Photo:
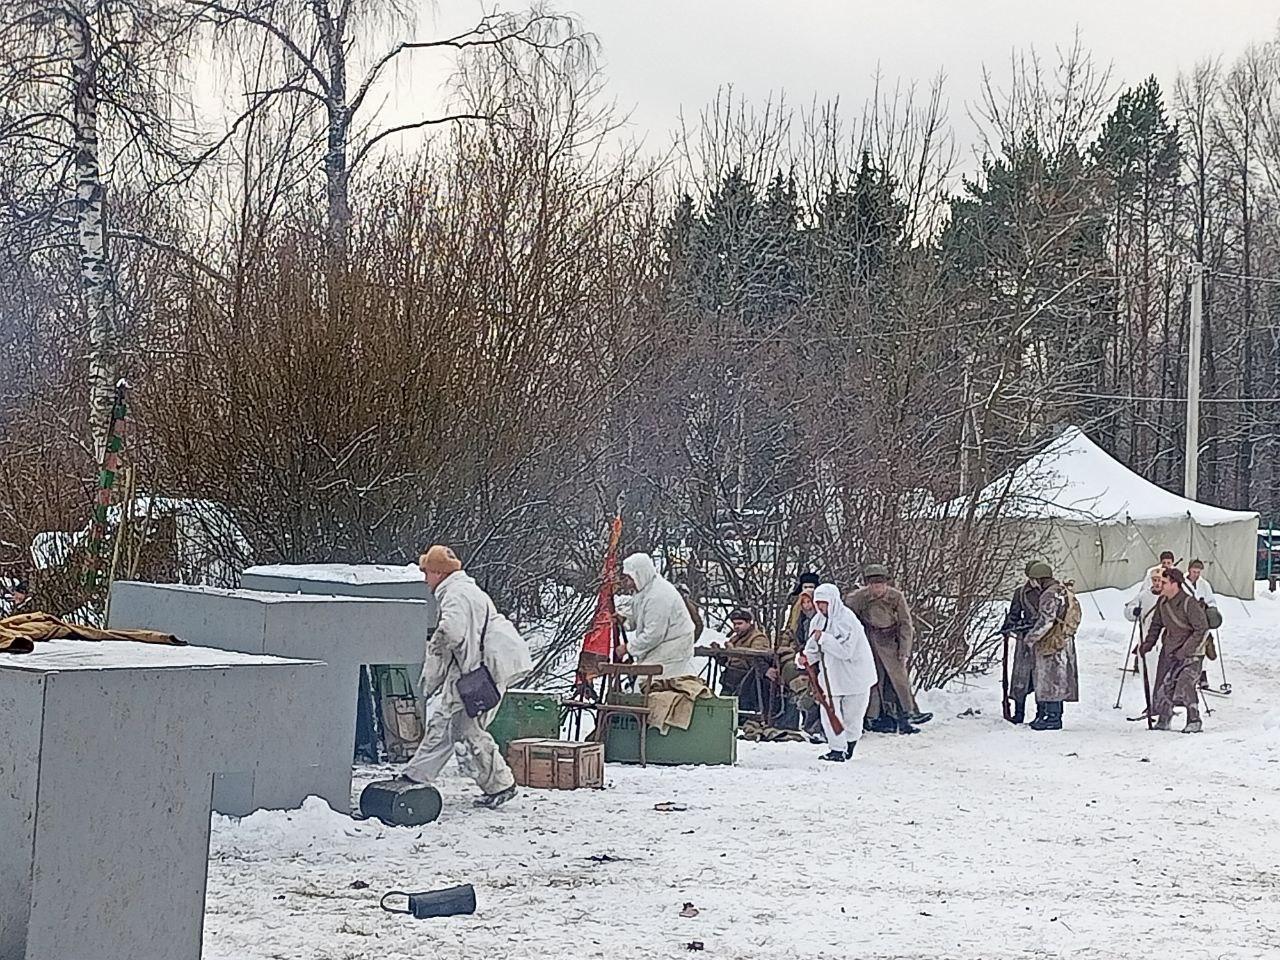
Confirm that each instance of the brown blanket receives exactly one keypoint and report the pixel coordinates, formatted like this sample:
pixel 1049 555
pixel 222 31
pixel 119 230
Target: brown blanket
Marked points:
pixel 21 632
pixel 671 702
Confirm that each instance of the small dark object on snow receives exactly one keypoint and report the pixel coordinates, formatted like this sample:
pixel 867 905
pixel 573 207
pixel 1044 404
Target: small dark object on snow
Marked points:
pixel 670 807
pixel 604 858
pixel 689 910
pixel 449 902
pixel 695 945
pixel 970 712
pixel 359 885
pixel 400 802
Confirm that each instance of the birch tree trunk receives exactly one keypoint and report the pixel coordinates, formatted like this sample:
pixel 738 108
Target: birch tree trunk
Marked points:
pixel 91 228
pixel 332 32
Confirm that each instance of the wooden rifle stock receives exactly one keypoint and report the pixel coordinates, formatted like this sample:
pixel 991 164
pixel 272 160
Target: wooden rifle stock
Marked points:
pixel 823 700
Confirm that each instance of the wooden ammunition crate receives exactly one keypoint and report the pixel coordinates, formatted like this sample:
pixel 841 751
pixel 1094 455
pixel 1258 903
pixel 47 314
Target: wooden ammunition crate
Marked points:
pixel 557 764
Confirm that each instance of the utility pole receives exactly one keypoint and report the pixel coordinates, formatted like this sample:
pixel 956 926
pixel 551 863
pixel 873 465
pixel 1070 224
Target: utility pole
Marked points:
pixel 1192 454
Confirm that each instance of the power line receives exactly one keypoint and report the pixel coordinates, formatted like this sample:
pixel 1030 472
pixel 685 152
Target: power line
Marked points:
pixel 1135 397
pixel 1244 277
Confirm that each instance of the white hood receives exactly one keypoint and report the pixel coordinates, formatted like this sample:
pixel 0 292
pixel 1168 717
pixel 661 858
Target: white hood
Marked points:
pixel 660 625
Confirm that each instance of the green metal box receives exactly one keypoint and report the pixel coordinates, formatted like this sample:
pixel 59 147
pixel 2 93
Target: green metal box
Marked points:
pixel 712 737
pixel 525 714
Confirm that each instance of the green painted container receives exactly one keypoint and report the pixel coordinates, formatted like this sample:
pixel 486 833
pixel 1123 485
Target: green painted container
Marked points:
pixel 712 737
pixel 524 714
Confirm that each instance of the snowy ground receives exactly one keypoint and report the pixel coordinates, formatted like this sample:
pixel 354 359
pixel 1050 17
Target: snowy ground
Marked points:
pixel 972 841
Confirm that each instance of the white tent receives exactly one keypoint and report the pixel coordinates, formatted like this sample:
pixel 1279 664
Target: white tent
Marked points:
pixel 1103 525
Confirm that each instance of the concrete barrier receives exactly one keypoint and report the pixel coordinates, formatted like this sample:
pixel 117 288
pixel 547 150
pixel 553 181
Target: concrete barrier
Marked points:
pixel 343 632
pixel 107 769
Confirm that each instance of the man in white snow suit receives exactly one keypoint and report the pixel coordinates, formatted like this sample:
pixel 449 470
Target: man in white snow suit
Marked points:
pixel 471 631
pixel 838 647
pixel 660 628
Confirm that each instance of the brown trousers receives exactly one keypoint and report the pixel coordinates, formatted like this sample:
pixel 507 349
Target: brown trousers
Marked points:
pixel 1179 688
pixel 893 682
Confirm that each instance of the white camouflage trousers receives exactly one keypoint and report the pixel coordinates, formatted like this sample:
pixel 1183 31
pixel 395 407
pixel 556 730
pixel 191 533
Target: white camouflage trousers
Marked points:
pixel 478 753
pixel 850 709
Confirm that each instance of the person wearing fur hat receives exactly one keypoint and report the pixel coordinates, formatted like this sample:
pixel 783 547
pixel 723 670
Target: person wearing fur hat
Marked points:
pixel 470 632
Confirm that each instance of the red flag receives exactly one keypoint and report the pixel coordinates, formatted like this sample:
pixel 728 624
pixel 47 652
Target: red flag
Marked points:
pixel 599 638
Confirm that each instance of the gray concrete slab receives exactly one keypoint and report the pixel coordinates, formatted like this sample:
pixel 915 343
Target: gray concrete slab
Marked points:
pixel 372 580
pixel 343 632
pixel 108 768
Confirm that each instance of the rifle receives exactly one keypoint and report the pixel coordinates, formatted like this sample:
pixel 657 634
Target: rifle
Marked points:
pixel 1146 689
pixel 1005 706
pixel 823 700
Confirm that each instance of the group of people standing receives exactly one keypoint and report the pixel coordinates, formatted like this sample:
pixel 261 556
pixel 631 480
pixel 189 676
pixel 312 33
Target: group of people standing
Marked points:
pixel 859 648
pixel 842 663
pixel 1171 609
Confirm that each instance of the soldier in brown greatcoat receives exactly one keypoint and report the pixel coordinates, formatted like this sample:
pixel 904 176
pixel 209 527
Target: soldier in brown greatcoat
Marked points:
pixel 884 613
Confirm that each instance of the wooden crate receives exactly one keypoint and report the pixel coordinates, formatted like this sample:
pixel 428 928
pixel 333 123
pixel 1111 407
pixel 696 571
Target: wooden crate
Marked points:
pixel 557 764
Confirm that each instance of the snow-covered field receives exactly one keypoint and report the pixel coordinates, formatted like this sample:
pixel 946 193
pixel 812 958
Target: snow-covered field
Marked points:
pixel 975 840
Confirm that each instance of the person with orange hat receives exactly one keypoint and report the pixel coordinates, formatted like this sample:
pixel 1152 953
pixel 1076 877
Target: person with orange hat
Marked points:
pixel 471 634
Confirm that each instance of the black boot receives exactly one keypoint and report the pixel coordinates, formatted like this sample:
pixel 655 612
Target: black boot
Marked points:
pixel 1050 718
pixel 919 718
pixel 835 756
pixel 904 726
pixel 883 724
pixel 848 751
pixel 1019 711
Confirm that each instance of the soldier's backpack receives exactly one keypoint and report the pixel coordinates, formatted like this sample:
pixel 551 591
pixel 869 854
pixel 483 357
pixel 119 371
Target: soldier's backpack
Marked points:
pixel 1212 614
pixel 1065 627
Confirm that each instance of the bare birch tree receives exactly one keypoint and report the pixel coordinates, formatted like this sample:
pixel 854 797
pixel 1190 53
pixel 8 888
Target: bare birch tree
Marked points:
pixel 327 53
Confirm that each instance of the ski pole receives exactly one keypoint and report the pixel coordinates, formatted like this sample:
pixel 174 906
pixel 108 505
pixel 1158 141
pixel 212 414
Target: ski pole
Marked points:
pixel 1222 663
pixel 1124 667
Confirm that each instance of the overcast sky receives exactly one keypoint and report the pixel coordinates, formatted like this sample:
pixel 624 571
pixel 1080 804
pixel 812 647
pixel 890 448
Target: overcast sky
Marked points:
pixel 662 56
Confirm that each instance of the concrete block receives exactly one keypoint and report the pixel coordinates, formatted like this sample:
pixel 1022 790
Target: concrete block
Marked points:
pixel 343 632
pixel 371 580
pixel 106 777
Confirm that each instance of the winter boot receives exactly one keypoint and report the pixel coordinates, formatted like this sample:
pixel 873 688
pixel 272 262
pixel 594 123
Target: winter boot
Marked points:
pixel 835 756
pixel 883 724
pixel 1019 711
pixel 1193 726
pixel 494 800
pixel 919 718
pixel 1162 724
pixel 848 751
pixel 904 726
pixel 1050 717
